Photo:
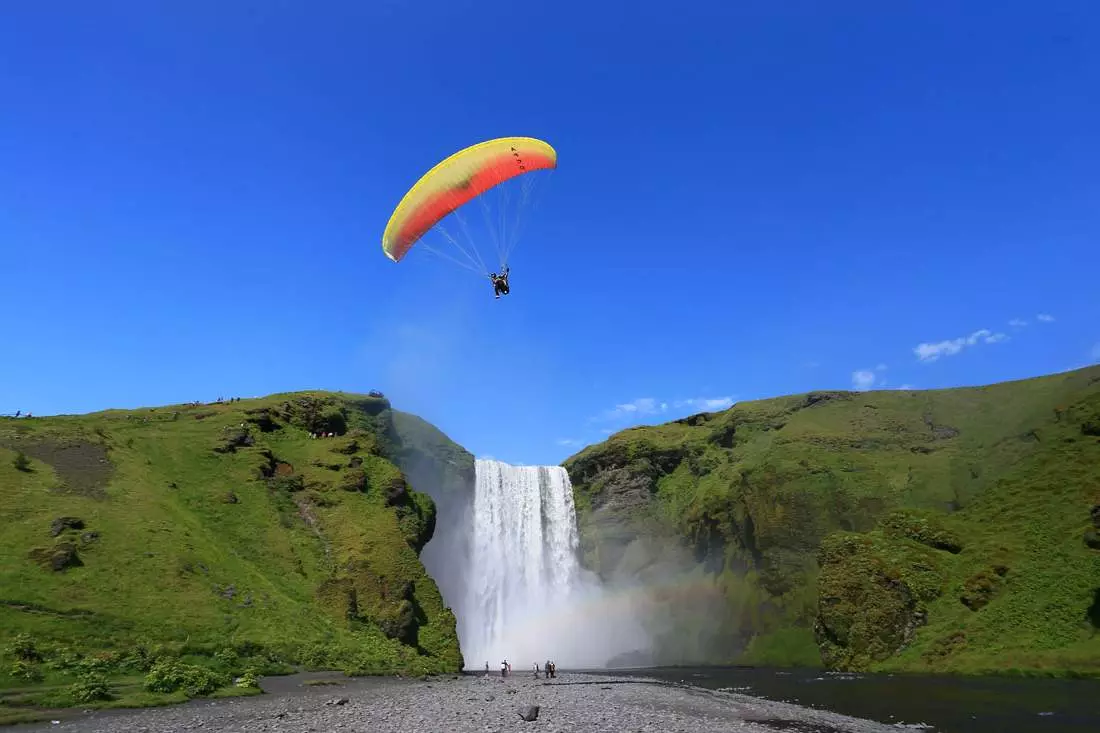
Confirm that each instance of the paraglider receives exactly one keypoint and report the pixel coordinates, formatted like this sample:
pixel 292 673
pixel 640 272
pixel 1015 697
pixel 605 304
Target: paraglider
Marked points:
pixel 456 181
pixel 500 283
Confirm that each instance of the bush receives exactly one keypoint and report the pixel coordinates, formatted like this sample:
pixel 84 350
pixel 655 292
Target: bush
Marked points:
pixel 227 657
pixel 248 679
pixel 97 664
pixel 90 688
pixel 63 658
pixel 172 675
pixel 318 656
pixel 143 656
pixel 27 671
pixel 24 648
pixel 21 462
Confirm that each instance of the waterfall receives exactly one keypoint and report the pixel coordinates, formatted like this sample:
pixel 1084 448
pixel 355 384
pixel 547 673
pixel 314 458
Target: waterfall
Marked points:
pixel 527 598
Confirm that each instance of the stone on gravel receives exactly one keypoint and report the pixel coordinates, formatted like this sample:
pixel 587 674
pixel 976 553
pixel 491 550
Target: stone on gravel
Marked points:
pixel 572 702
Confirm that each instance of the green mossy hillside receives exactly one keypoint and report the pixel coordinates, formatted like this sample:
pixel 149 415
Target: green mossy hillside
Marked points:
pixel 939 531
pixel 220 537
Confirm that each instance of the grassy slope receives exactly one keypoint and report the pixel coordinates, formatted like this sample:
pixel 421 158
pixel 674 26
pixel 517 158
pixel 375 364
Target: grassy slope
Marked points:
pixel 807 513
pixel 199 550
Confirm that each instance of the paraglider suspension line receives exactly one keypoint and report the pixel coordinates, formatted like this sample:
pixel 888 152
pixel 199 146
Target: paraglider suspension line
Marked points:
pixel 504 229
pixel 471 267
pixel 476 263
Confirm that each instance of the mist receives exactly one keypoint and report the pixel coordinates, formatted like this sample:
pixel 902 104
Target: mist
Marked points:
pixel 683 605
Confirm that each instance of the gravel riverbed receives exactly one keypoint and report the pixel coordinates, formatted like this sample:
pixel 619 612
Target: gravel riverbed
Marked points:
pixel 475 704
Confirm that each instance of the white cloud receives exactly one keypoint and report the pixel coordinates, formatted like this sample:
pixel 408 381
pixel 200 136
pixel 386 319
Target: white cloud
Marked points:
pixel 1041 318
pixel 708 404
pixel 863 380
pixel 929 352
pixel 643 407
pixel 1095 353
pixel 568 442
pixel 640 407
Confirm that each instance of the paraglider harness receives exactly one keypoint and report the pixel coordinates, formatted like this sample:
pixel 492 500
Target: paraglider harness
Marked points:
pixel 500 283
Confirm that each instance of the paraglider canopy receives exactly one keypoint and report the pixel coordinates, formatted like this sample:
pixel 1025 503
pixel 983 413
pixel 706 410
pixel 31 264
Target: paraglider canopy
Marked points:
pixel 456 181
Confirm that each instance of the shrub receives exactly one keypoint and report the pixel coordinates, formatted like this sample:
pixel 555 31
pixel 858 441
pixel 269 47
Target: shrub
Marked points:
pixel 143 656
pixel 21 462
pixel 172 675
pixel 100 663
pixel 24 670
pixel 248 679
pixel 227 657
pixel 23 647
pixel 90 688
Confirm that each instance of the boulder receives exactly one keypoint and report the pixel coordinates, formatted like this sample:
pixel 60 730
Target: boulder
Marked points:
pixel 61 524
pixel 60 557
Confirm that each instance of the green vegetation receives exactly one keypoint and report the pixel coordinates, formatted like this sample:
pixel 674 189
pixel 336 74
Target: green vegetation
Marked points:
pixel 153 555
pixel 928 531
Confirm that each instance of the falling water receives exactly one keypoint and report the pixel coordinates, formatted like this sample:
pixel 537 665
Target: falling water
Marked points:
pixel 527 596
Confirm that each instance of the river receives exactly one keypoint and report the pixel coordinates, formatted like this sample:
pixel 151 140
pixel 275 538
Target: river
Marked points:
pixel 936 704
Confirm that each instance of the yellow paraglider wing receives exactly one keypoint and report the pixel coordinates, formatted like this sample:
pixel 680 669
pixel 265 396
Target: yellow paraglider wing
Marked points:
pixel 457 180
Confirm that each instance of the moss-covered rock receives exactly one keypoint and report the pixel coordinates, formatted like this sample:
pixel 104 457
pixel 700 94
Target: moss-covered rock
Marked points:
pixel 873 594
pixel 61 556
pixel 354 479
pixel 980 588
pixel 923 527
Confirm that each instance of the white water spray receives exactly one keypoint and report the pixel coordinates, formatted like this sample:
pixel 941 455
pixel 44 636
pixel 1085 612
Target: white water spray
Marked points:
pixel 527 597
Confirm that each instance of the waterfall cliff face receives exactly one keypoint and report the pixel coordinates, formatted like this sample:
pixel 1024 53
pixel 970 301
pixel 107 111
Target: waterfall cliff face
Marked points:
pixel 527 598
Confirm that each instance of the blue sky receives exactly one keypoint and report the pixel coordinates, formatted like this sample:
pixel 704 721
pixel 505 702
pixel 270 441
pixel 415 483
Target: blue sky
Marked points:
pixel 752 199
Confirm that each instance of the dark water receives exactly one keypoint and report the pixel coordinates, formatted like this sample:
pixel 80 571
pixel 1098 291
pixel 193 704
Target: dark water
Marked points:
pixel 944 704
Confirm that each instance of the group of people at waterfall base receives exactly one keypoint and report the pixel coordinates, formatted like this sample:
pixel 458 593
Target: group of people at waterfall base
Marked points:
pixel 551 669
pixel 475 173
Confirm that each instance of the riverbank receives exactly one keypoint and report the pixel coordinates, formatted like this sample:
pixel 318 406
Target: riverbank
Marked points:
pixel 474 704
